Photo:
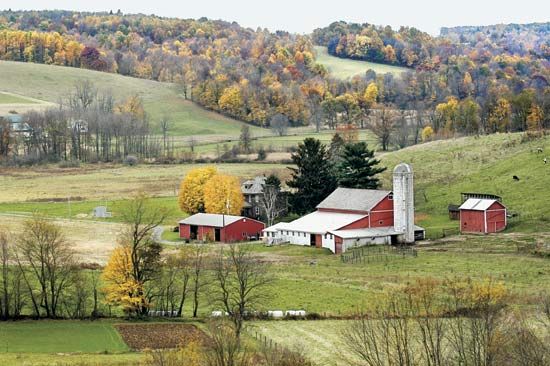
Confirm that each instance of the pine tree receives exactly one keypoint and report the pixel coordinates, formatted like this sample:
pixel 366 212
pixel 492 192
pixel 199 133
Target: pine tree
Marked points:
pixel 313 178
pixel 358 167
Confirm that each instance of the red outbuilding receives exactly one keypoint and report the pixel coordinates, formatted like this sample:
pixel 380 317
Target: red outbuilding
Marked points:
pixel 222 228
pixel 482 216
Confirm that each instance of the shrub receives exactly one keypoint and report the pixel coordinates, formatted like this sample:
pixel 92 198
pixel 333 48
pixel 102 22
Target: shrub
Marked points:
pixel 69 164
pixel 130 160
pixel 262 154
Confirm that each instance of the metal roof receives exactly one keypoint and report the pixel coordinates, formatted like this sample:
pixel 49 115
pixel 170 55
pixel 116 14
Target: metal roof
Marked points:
pixel 318 222
pixel 353 199
pixel 477 204
pixel 253 186
pixel 369 232
pixel 214 220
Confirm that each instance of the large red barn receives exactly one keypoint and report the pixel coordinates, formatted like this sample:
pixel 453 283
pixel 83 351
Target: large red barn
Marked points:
pixel 482 216
pixel 222 228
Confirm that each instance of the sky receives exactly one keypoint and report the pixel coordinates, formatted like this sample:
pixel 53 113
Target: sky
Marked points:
pixel 304 16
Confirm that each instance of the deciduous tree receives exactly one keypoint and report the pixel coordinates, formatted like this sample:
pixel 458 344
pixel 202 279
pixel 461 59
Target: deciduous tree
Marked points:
pixel 222 195
pixel 191 192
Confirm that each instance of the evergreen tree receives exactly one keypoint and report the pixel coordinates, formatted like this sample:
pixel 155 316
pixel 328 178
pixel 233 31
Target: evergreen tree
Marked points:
pixel 313 178
pixel 335 149
pixel 358 167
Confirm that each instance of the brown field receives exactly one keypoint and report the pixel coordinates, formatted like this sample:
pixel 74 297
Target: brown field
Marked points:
pixel 158 335
pixel 92 240
pixel 107 181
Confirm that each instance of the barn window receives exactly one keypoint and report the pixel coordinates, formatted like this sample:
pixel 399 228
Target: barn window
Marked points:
pixel 390 196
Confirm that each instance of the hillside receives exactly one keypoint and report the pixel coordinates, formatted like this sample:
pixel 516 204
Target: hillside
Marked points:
pixel 444 169
pixel 342 68
pixel 52 83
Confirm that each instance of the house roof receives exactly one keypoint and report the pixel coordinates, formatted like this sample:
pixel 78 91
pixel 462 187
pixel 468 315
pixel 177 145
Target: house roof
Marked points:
pixel 353 199
pixel 369 232
pixel 276 227
pixel 318 222
pixel 253 186
pixel 214 220
pixel 477 204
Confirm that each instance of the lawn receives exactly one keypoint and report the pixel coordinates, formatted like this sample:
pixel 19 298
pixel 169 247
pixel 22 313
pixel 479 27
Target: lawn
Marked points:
pixel 52 83
pixel 60 337
pixel 345 68
pixel 7 98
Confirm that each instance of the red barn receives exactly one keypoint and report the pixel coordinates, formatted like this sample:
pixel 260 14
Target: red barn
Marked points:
pixel 482 216
pixel 222 228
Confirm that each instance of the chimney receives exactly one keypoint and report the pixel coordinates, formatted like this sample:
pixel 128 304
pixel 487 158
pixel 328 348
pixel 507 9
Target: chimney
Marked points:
pixel 403 202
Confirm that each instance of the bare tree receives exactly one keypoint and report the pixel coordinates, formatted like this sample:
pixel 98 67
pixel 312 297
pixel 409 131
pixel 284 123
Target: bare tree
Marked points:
pixel 245 139
pixel 45 258
pixel 5 256
pixel 199 279
pixel 270 202
pixel 279 124
pixel 225 348
pixel 383 126
pixel 241 281
pixel 165 126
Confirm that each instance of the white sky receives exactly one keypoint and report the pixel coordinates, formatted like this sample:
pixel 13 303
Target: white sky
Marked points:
pixel 304 16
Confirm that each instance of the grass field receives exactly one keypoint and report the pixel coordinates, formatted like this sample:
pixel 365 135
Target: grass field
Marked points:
pixel 52 83
pixel 60 337
pixel 345 68
pixel 444 169
pixel 7 98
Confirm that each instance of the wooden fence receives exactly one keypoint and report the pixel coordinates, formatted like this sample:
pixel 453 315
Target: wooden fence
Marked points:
pixel 379 253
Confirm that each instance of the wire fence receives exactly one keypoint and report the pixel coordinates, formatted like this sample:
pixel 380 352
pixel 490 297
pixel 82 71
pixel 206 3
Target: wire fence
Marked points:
pixel 376 254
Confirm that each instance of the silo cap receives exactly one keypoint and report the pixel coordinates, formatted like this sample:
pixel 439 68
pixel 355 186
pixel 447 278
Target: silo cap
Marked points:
pixel 403 168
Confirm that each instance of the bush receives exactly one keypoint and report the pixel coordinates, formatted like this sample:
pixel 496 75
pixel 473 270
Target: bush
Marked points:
pixel 262 154
pixel 130 160
pixel 69 164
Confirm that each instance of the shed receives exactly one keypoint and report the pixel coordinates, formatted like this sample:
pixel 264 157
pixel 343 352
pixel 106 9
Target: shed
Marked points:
pixel 222 228
pixel 478 215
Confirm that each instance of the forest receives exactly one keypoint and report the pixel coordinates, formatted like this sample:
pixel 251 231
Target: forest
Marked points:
pixel 467 81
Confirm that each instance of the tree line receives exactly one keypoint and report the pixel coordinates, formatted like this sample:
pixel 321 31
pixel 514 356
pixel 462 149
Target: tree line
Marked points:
pixel 269 79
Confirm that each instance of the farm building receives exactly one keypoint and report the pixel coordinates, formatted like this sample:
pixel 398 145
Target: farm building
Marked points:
pixel 480 215
pixel 222 228
pixel 354 217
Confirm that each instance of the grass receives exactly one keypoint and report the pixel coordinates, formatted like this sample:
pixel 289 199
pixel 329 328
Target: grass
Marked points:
pixel 6 98
pixel 444 169
pixel 102 182
pixel 94 359
pixel 53 83
pixel 346 68
pixel 60 337
pixel 320 341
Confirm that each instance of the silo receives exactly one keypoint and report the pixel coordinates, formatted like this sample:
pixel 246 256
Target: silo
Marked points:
pixel 403 202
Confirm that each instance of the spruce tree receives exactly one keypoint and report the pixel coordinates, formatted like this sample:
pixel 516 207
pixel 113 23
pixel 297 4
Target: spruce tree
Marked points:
pixel 313 178
pixel 358 168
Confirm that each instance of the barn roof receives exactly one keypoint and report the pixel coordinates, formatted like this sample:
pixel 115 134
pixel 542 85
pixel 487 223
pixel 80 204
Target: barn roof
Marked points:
pixel 477 204
pixel 353 199
pixel 369 232
pixel 318 222
pixel 215 220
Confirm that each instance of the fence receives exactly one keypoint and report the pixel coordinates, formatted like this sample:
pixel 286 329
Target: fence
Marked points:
pixel 375 254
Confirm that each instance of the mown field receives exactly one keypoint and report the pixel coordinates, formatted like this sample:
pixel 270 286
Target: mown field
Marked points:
pixel 345 68
pixel 53 83
pixel 7 98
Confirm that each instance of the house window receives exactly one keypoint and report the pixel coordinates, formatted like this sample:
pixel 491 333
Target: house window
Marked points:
pixel 257 210
pixel 257 199
pixel 330 236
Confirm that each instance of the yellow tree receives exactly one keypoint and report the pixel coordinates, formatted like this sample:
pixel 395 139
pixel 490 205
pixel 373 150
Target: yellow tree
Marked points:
pixel 121 288
pixel 427 133
pixel 231 101
pixel 371 93
pixel 191 194
pixel 500 116
pixel 222 195
pixel 534 119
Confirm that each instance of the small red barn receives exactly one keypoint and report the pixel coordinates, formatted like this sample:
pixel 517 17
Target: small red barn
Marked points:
pixel 222 228
pixel 482 216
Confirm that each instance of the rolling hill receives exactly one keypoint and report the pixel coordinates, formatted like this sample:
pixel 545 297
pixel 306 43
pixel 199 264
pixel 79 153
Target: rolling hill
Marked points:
pixel 444 169
pixel 342 68
pixel 52 83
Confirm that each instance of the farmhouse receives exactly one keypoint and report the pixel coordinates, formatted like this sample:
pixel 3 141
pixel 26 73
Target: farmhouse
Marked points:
pixel 353 217
pixel 481 215
pixel 222 228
